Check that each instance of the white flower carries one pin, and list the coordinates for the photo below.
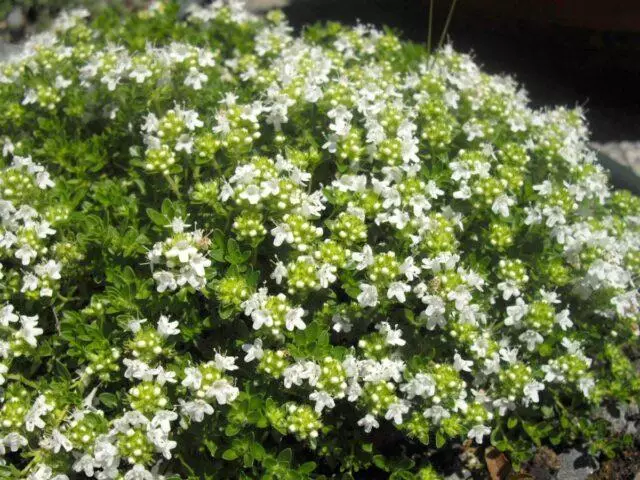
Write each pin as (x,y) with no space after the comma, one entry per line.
(421,385)
(509,289)
(409,269)
(364,258)
(509,355)
(140,73)
(29,329)
(326,275)
(160,440)
(563,320)
(396,410)
(531,390)
(225,363)
(279,272)
(196,409)
(137,369)
(32,419)
(368,296)
(293,319)
(281,233)
(299,371)
(478,432)
(136,324)
(435,309)
(167,328)
(49,269)
(627,304)
(15,441)
(195,78)
(398,290)
(43,180)
(183,250)
(44,472)
(199,262)
(62,83)
(165,281)
(59,442)
(184,143)
(436,413)
(460,364)
(30,96)
(368,422)
(162,419)
(253,350)
(393,336)
(30,283)
(164,376)
(586,385)
(515,313)
(85,464)
(138,472)
(3,370)
(223,391)
(323,400)
(531,338)
(260,318)
(501,205)
(192,378)
(253,195)
(25,254)
(7,316)
(341,323)
(432,190)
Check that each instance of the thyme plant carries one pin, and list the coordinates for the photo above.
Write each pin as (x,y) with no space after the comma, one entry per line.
(232,251)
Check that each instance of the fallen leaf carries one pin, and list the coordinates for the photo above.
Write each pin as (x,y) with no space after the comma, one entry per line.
(497,464)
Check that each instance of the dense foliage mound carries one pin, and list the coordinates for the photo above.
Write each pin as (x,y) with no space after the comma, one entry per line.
(232,252)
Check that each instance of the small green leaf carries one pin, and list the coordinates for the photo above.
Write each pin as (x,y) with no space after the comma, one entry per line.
(380,462)
(157,217)
(229,455)
(285,456)
(231,430)
(109,400)
(211,446)
(234,255)
(218,246)
(307,468)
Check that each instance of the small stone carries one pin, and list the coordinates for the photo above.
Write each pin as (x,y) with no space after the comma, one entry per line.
(576,465)
(15,19)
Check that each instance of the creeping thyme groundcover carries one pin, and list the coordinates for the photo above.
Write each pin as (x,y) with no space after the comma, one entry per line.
(230,251)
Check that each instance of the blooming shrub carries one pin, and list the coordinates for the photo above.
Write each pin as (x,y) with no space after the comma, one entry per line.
(232,252)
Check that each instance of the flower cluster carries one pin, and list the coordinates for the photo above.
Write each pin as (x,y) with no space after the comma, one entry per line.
(229,251)
(182,255)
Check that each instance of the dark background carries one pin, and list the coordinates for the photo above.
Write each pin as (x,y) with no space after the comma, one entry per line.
(565,52)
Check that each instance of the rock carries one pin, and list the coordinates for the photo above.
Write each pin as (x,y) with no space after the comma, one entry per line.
(543,465)
(264,5)
(16,19)
(461,475)
(625,153)
(576,465)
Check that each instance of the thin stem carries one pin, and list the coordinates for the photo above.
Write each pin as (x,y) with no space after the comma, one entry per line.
(430,26)
(19,378)
(446,23)
(173,185)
